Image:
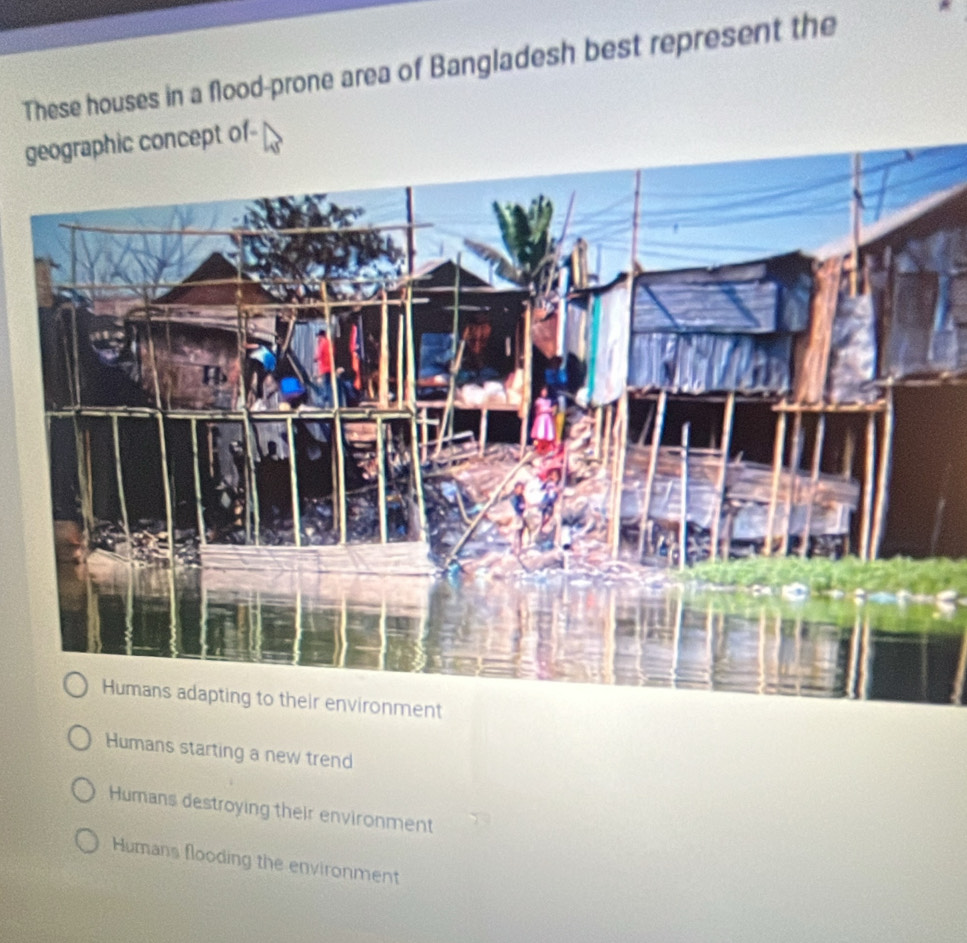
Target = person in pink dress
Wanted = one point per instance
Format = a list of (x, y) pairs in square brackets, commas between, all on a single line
[(542, 431)]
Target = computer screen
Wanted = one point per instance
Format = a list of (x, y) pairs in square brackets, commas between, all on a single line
[(483, 471)]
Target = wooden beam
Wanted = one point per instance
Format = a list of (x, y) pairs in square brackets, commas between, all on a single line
[(383, 352), (418, 477), (794, 460), (338, 446), (722, 472), (813, 479), (488, 504), (778, 450), (166, 490), (659, 428), (294, 483), (883, 478), (525, 393), (683, 514), (617, 476), (869, 464), (381, 479), (196, 479)]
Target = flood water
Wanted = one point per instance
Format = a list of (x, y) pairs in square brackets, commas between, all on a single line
[(555, 630)]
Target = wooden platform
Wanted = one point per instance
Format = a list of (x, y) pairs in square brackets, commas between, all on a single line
[(410, 558)]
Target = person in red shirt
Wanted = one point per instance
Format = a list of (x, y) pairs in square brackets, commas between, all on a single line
[(323, 355)]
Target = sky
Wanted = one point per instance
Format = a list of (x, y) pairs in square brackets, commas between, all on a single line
[(692, 216)]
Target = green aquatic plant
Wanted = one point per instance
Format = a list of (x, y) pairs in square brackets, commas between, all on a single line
[(894, 576)]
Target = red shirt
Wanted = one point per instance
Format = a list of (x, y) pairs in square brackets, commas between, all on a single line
[(324, 356)]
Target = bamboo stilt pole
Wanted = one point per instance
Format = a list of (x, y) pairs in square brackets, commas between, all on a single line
[(723, 470), (813, 480), (683, 518), (454, 334), (381, 479), (418, 477), (83, 485), (793, 481), (883, 478), (293, 483), (383, 352), (253, 478), (196, 476), (869, 464), (525, 395), (778, 449), (166, 490), (656, 434), (410, 351), (425, 436), (446, 420), (607, 432), (339, 448), (618, 475), (849, 454), (242, 397), (400, 357)]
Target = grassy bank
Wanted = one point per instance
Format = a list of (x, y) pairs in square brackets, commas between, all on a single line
[(899, 575)]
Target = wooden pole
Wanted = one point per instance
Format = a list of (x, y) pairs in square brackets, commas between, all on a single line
[(196, 476), (793, 481), (293, 483), (410, 230), (337, 438), (778, 449), (618, 475), (381, 479), (83, 485), (242, 401), (410, 350), (418, 477), (607, 433), (723, 470), (656, 434), (883, 477), (683, 515), (383, 351), (253, 478), (490, 502), (447, 418), (525, 394), (856, 219), (454, 334), (869, 464), (166, 490), (483, 430), (598, 423), (400, 358), (813, 480)]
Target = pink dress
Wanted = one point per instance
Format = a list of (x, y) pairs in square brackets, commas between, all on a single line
[(543, 428)]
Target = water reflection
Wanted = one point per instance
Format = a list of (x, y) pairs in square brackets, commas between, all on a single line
[(555, 630)]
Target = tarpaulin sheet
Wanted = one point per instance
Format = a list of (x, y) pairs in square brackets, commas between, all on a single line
[(852, 352), (610, 329)]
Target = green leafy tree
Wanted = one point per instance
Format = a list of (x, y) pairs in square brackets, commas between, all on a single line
[(332, 244), (529, 248)]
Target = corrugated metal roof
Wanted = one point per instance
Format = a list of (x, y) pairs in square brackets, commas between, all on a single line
[(891, 224)]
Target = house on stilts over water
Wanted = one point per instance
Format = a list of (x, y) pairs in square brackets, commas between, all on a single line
[(208, 406), (702, 362)]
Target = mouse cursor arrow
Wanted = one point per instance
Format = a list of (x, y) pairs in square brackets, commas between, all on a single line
[(271, 139)]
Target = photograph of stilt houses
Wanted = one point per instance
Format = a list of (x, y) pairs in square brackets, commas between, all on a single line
[(525, 428)]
